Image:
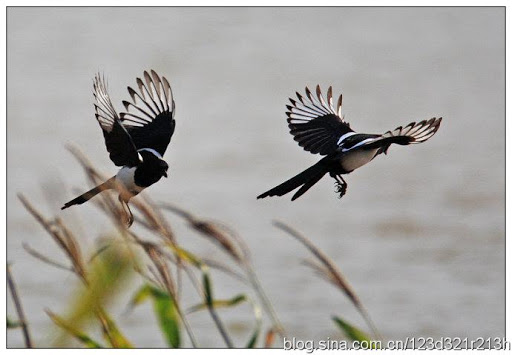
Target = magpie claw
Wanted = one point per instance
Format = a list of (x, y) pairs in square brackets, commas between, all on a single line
[(127, 213), (340, 186)]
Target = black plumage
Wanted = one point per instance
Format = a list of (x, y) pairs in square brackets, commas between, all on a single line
[(135, 139), (320, 129)]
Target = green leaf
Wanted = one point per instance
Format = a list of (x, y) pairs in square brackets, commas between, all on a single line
[(107, 275), (207, 289), (165, 311), (140, 296), (168, 318), (219, 303), (12, 324), (112, 333), (79, 335), (354, 333), (252, 341), (187, 256)]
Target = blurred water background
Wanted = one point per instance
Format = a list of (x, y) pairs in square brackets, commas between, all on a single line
[(419, 235)]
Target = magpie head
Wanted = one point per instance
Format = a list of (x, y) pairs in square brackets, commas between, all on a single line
[(163, 167)]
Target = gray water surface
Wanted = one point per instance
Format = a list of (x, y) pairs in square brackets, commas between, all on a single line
[(419, 234)]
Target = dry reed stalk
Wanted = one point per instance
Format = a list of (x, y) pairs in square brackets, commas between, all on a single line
[(62, 236), (155, 222), (161, 266), (158, 260), (212, 231), (44, 258), (107, 203), (67, 241), (329, 271), (238, 250), (152, 218), (19, 309), (217, 265)]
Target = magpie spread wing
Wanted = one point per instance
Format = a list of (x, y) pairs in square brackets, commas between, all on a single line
[(413, 133), (118, 141), (151, 122), (416, 132), (315, 124)]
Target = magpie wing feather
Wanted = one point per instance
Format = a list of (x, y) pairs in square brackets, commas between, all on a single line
[(416, 132), (314, 122), (413, 133), (149, 116), (117, 139)]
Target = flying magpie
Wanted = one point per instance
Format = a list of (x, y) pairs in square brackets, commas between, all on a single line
[(136, 140), (320, 129)]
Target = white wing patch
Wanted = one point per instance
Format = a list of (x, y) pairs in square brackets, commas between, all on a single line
[(105, 111), (363, 142), (420, 131), (154, 96), (342, 138), (316, 107), (151, 150)]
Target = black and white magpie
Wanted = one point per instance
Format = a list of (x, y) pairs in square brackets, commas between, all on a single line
[(320, 129), (136, 140)]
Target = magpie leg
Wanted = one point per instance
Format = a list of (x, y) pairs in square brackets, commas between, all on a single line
[(127, 212), (340, 185)]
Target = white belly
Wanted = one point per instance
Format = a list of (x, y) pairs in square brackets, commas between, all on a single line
[(357, 158), (125, 177)]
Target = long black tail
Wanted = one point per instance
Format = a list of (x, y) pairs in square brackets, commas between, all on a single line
[(109, 184), (307, 178)]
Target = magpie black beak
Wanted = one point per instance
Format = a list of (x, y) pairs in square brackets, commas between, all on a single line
[(165, 173)]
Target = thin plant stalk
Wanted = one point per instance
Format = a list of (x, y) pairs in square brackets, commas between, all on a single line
[(19, 308), (156, 257), (239, 253), (332, 273)]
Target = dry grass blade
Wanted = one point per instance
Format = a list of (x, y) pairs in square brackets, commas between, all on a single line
[(72, 247), (203, 292), (62, 236), (108, 203), (19, 308), (44, 258), (154, 219), (111, 331), (331, 273), (92, 172), (158, 260), (218, 233), (76, 333), (240, 252), (214, 264), (321, 271)]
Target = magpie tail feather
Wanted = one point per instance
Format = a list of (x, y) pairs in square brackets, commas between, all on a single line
[(305, 180), (109, 184)]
